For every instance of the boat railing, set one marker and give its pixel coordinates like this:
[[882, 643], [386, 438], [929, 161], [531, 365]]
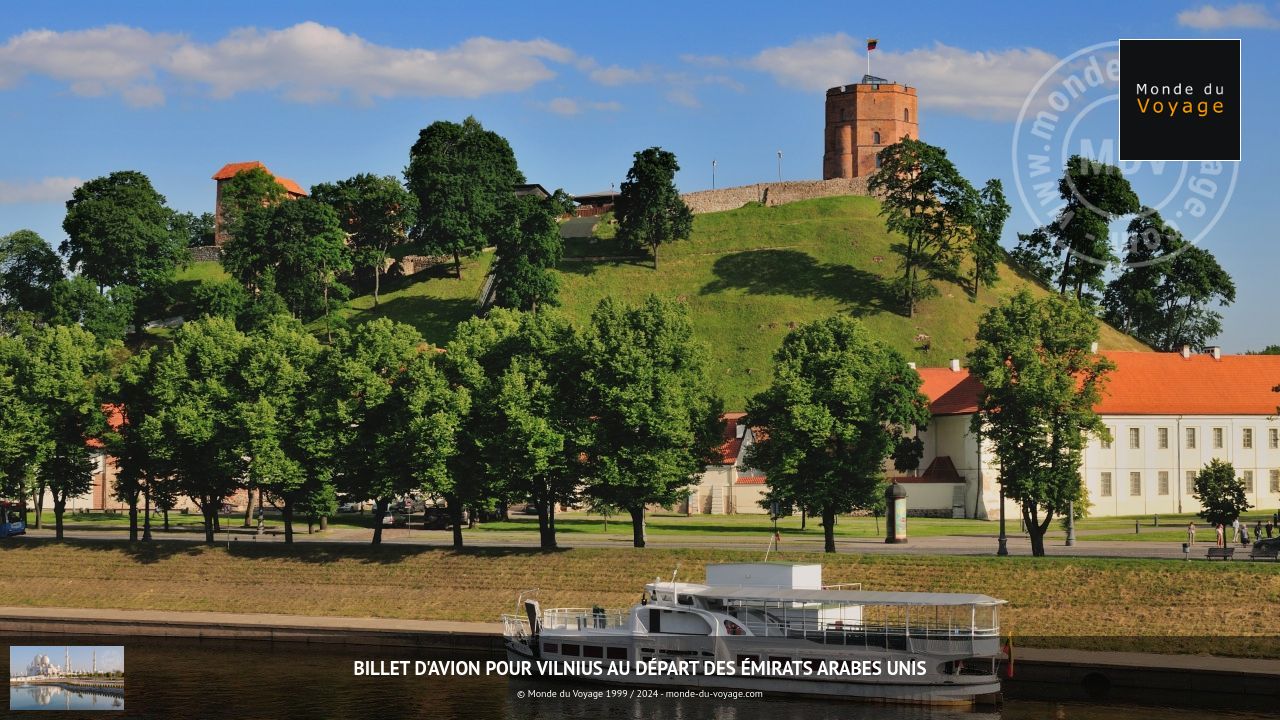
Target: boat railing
[[515, 627], [886, 635], [843, 586], [584, 619]]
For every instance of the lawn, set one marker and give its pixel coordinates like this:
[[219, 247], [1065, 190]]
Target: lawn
[[1067, 602]]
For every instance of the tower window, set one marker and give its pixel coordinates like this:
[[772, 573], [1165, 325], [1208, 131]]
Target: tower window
[[876, 137], [906, 115]]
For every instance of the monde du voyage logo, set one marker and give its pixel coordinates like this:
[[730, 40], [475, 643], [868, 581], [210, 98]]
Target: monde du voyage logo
[[1179, 100]]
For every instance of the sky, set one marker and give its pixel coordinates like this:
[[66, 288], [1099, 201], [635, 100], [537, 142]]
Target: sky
[[110, 657], [323, 91]]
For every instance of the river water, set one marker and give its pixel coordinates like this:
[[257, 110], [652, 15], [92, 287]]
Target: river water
[[249, 680]]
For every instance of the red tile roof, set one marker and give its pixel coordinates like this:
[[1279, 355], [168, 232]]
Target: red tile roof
[[750, 480], [732, 442], [941, 470], [1147, 383], [115, 418], [230, 170]]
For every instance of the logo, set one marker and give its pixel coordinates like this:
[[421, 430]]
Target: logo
[[1073, 110]]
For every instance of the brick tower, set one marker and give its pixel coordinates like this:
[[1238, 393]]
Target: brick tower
[[862, 120]]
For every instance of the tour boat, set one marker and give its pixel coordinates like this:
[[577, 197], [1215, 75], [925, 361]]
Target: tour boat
[[774, 627]]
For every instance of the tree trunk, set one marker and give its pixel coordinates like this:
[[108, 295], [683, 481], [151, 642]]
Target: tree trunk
[[457, 264], [166, 519], [655, 256], [379, 512], [377, 277], [1036, 530], [59, 506], [324, 523], [803, 517], [286, 513], [455, 518], [637, 525], [248, 507], [829, 529], [39, 503], [546, 525], [146, 518], [133, 517], [210, 514]]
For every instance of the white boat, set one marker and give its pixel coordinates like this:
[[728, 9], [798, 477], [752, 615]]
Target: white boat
[[780, 631]]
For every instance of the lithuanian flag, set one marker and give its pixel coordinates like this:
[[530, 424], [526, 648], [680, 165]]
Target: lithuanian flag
[[871, 44]]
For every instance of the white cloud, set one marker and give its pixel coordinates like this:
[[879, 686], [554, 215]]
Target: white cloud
[[44, 190], [307, 62], [615, 75], [989, 85], [95, 62], [705, 60], [569, 106], [683, 96], [1244, 15]]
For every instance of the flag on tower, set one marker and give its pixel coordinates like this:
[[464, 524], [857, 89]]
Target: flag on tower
[[871, 44]]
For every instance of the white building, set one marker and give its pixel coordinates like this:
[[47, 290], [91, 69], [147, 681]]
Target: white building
[[1169, 414]]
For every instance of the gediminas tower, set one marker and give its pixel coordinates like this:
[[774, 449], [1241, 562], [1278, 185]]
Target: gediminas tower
[[862, 120]]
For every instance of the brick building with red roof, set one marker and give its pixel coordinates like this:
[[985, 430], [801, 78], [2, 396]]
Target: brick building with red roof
[[292, 190]]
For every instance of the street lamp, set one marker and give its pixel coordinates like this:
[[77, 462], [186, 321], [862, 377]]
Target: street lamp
[[713, 174], [1071, 523], [1004, 539], [779, 166]]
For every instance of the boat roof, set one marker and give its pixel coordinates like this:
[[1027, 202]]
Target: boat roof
[[846, 597]]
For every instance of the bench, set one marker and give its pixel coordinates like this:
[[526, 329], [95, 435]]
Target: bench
[[1223, 553]]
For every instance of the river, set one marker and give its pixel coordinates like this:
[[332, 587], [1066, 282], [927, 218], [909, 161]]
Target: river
[[240, 680]]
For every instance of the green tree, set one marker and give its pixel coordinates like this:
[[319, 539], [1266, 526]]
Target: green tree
[[462, 176], [358, 381], [294, 250], [287, 446], [841, 403], [992, 212], [77, 301], [376, 213], [195, 230], [1040, 383], [64, 375], [23, 432], [926, 200], [140, 461], [1220, 493], [119, 232], [523, 437], [225, 298], [244, 192], [649, 209], [1165, 293], [529, 247], [1268, 350], [28, 271], [654, 421], [195, 420]]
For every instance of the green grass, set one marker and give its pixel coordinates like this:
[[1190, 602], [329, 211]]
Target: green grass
[[1097, 603], [750, 275], [186, 280], [738, 526]]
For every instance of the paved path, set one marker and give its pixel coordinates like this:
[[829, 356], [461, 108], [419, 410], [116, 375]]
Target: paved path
[[967, 545]]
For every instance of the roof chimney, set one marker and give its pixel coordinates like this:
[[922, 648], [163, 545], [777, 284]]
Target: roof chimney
[[1216, 351], [1093, 348], [1186, 351], [911, 365], [955, 365]]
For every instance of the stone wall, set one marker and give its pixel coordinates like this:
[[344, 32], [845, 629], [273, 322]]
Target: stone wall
[[774, 193], [206, 253]]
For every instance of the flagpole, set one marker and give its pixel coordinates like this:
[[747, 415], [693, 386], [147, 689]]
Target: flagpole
[[868, 61]]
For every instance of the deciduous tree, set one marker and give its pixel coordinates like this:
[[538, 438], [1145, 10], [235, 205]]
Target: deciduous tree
[[376, 213], [841, 403], [1040, 383], [28, 271], [1220, 493], [649, 209], [529, 247], [988, 226]]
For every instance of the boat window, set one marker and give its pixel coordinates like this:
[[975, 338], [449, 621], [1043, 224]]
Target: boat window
[[592, 651], [686, 600], [568, 649], [615, 653], [551, 647], [733, 628]]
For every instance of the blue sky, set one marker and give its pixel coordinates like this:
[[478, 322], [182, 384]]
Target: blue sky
[[321, 92], [110, 657]]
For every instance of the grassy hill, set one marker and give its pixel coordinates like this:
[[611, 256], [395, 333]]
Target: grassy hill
[[748, 276]]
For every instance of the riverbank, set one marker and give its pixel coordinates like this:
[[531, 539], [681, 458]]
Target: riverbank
[[1085, 603]]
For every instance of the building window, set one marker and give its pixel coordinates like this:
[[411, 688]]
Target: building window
[[1135, 438], [1191, 481], [1248, 481], [1106, 484], [1162, 482], [906, 115], [1273, 439], [876, 137], [1246, 438], [1191, 438], [1135, 483], [1217, 438], [1162, 438], [1106, 441], [1275, 481]]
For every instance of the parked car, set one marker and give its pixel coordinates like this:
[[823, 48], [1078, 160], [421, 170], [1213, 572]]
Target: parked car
[[1266, 548]]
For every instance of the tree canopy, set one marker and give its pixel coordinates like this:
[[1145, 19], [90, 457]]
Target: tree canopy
[[462, 176], [1040, 383], [529, 247], [1221, 494], [841, 403], [29, 269], [649, 209], [376, 213]]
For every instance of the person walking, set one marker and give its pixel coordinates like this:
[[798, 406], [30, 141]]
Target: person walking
[[1257, 531], [1244, 534], [1235, 531], [1221, 533], [1191, 534]]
